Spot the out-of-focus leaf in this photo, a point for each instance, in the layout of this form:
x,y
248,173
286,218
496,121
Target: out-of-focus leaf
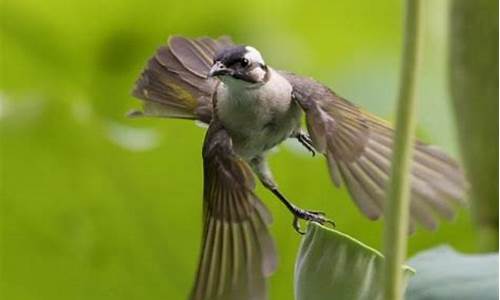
x,y
474,90
333,265
444,274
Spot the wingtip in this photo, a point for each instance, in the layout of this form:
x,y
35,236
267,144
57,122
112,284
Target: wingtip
x,y
175,39
225,39
133,114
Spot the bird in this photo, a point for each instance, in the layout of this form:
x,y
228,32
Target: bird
x,y
250,108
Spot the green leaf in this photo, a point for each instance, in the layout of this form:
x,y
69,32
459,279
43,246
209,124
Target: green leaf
x,y
333,265
445,274
473,87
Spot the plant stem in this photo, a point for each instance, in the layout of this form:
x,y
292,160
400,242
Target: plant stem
x,y
397,206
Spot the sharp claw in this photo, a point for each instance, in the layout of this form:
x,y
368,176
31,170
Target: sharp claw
x,y
296,226
332,223
324,221
311,149
311,216
307,143
319,213
313,153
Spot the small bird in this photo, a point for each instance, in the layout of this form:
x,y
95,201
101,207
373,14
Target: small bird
x,y
251,108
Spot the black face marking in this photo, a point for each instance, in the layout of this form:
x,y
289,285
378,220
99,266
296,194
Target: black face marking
x,y
230,56
233,59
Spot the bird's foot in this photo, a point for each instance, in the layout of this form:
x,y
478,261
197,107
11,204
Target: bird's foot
x,y
311,216
302,214
306,141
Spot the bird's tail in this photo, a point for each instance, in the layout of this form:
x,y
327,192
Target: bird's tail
x,y
174,83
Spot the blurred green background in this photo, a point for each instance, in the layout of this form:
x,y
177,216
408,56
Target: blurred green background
x,y
98,206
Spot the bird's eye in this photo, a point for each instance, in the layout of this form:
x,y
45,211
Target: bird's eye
x,y
244,62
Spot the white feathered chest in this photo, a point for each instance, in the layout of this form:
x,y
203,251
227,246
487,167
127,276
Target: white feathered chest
x,y
257,117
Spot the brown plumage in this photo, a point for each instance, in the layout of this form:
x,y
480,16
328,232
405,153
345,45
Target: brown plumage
x,y
237,250
358,148
174,83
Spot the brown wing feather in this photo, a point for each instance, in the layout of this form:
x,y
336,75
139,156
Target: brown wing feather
x,y
174,83
358,147
237,250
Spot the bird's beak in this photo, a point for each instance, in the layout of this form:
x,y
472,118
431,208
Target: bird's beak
x,y
218,69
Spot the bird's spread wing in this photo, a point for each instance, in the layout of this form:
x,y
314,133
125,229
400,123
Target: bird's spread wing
x,y
237,250
358,148
174,83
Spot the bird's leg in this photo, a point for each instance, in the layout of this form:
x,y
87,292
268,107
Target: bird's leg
x,y
306,141
299,213
260,167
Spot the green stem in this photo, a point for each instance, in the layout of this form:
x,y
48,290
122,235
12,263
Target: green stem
x,y
397,207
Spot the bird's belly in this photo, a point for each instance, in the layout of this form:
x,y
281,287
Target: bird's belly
x,y
256,143
257,129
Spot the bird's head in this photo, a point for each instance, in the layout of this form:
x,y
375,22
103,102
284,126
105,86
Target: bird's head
x,y
241,65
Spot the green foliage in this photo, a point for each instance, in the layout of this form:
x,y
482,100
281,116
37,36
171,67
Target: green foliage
x,y
474,90
444,274
333,265
97,206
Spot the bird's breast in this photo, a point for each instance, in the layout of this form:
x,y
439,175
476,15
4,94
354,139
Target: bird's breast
x,y
258,118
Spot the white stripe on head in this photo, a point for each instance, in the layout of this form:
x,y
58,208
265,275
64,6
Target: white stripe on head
x,y
253,55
